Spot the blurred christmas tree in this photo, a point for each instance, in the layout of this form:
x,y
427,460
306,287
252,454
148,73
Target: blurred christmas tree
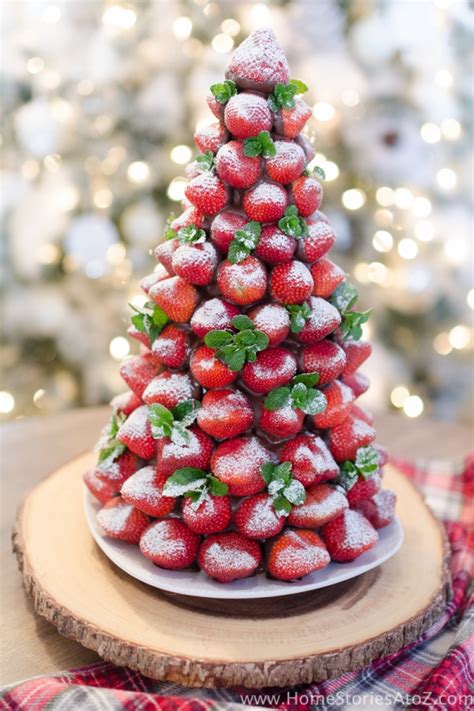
x,y
102,101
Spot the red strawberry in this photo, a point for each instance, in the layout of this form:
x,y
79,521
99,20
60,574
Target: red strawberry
x,y
310,459
195,263
358,382
225,413
211,137
256,517
291,283
169,389
144,490
196,453
216,107
320,240
135,433
235,168
295,554
138,371
274,246
207,192
362,414
380,509
266,202
214,514
170,544
237,463
327,276
290,122
305,144
258,62
273,368
357,353
345,439
271,319
307,194
149,280
247,114
229,556
172,346
125,402
208,370
118,470
281,423
323,320
223,228
139,336
287,164
348,536
322,504
212,315
164,253
102,490
326,358
117,519
176,297
244,283
364,489
339,399
190,216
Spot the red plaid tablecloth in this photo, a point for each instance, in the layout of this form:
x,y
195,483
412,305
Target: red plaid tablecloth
x,y
436,672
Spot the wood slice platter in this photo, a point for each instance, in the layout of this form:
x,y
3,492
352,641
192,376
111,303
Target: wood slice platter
x,y
203,642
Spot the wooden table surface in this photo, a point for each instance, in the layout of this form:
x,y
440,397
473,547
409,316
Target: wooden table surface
x,y
33,448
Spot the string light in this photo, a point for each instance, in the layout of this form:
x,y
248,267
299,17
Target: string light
x,y
353,199
442,345
38,397
446,179
182,27
403,198
378,273
399,395
430,133
260,15
30,169
385,196
230,27
181,154
413,406
422,207
451,129
382,241
424,230
7,402
51,14
459,337
50,79
456,249
470,299
331,170
119,347
48,254
103,198
176,189
323,111
52,162
116,253
361,272
350,97
222,43
117,17
407,248
444,79
138,172
35,65
383,217
138,300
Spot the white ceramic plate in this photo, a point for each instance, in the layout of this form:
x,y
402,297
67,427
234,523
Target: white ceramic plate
x,y
185,582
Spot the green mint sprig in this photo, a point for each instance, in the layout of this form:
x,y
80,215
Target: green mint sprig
x,y
283,96
234,349
300,394
224,91
244,242
191,235
205,160
365,465
194,483
299,314
344,298
169,232
285,491
150,320
317,170
292,224
111,448
261,145
173,423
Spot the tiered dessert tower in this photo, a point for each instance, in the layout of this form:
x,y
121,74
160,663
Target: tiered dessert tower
x,y
239,447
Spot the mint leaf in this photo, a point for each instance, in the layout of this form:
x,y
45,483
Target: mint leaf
x,y
344,297
261,145
191,235
184,481
300,86
245,240
234,349
292,224
186,412
367,460
169,233
284,490
315,402
205,160
150,320
309,379
266,470
173,423
299,314
224,91
261,340
319,172
352,322
161,420
242,323
300,394
283,471
295,492
281,505
216,339
283,96
277,398
216,486
110,453
235,361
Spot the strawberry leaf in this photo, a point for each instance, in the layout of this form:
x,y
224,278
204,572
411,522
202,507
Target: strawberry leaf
x,y
299,314
277,398
223,92
261,145
292,224
191,235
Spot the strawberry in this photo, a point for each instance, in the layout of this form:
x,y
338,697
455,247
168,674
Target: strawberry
x,y
287,164
176,297
102,490
363,414
271,319
144,490
213,514
295,554
247,114
326,358
266,202
223,228
290,122
319,240
135,433
310,458
291,283
171,347
229,556
258,62
216,107
323,503
164,254
125,403
212,315
139,336
208,370
273,367
195,453
149,280
380,509
357,353
345,439
358,382
211,137
307,194
138,371
348,536
306,145
170,544
207,192
282,423
364,489
169,389
190,216
225,413
256,517
322,320
117,519
274,246
118,470
237,463
339,398
244,282
327,276
235,168
195,263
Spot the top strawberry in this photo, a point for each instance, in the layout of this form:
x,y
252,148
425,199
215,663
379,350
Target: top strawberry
x,y
259,62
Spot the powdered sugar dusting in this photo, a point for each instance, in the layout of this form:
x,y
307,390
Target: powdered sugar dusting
x,y
213,314
114,519
143,485
260,59
229,558
160,540
302,552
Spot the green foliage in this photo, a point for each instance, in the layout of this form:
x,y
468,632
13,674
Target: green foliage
x,y
235,349
300,394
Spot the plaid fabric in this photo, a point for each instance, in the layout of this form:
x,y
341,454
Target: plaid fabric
x,y
436,672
